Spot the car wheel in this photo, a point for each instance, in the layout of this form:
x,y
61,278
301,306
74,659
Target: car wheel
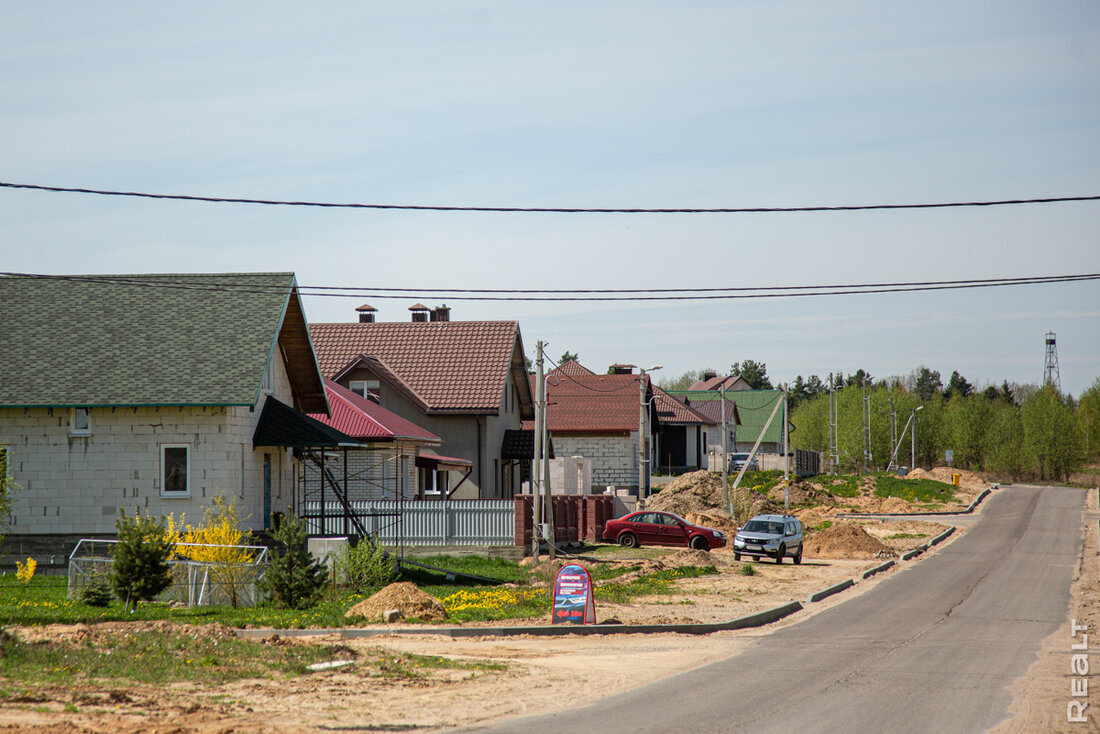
x,y
699,543
627,540
798,558
779,555
737,556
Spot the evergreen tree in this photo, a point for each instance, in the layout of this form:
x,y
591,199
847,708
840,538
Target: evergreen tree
x,y
958,385
926,383
294,578
140,570
753,372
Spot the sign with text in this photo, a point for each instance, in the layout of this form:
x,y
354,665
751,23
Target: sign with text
x,y
573,602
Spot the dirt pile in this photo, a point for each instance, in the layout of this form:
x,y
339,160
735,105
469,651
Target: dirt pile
x,y
679,559
403,596
717,519
802,493
845,540
967,479
701,492
697,491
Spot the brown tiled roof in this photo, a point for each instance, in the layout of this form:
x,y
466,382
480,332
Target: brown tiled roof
x,y
571,367
672,410
448,366
591,403
730,382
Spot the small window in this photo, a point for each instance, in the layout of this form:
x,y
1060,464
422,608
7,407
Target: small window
x,y
432,481
369,389
175,470
80,422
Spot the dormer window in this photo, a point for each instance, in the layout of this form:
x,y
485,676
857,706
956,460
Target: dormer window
x,y
369,389
80,422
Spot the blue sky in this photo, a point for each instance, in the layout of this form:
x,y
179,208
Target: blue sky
x,y
664,105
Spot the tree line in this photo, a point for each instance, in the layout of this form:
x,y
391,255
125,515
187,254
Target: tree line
x,y
1012,431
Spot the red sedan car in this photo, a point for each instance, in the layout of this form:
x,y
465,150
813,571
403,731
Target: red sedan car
x,y
661,528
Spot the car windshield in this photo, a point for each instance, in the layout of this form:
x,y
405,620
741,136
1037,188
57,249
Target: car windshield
x,y
764,526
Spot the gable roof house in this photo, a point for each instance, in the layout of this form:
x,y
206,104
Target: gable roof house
x,y
464,381
597,416
156,392
752,409
681,444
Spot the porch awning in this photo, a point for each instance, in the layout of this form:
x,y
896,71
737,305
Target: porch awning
x,y
281,425
520,444
442,463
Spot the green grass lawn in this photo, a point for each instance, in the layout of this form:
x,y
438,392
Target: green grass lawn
x,y
918,491
43,599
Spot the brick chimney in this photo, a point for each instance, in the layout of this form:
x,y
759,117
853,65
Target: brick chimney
x,y
441,313
366,313
419,312
622,369
708,375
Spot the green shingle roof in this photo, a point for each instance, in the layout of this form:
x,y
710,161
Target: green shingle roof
x,y
131,340
753,406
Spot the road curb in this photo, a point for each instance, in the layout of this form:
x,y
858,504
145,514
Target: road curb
x,y
752,620
834,589
877,569
968,510
913,553
942,536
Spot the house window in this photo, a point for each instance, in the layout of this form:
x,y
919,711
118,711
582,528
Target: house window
x,y
370,389
80,422
431,481
175,470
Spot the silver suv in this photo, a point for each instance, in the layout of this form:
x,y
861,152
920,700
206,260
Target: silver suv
x,y
769,536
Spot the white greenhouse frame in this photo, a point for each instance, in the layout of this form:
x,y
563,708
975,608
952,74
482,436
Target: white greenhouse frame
x,y
194,583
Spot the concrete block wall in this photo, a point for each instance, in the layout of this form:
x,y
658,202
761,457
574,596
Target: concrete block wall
x,y
571,475
614,459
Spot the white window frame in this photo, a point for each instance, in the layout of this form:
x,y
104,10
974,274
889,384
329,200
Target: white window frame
x,y
164,492
74,430
434,474
369,389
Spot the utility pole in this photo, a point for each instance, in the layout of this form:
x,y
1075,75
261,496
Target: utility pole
x,y
786,456
892,466
725,451
643,433
866,426
547,490
536,459
834,457
913,439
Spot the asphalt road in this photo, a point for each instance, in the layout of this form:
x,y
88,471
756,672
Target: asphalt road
x,y
930,649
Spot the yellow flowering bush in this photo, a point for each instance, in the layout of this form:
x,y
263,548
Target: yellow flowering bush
x,y
217,542
25,571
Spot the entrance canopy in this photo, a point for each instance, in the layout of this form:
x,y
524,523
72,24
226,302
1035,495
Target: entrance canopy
x,y
281,425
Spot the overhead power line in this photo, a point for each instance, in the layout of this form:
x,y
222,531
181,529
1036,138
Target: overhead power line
x,y
642,294
548,210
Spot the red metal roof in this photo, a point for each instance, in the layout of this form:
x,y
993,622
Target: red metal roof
x,y
450,366
366,420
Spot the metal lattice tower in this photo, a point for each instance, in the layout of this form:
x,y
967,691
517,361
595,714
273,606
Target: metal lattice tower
x,y
1050,364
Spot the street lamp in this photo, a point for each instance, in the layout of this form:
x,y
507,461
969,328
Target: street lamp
x,y
642,415
913,439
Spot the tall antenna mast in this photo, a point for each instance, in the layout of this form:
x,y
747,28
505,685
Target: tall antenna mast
x,y
1050,364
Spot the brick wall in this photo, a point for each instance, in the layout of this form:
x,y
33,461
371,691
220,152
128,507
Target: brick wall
x,y
614,458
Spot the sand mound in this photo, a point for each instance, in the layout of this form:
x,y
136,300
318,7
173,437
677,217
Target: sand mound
x,y
403,596
810,519
967,479
697,491
845,540
717,519
803,493
700,492
688,557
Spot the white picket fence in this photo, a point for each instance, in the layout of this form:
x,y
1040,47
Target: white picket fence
x,y
462,522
